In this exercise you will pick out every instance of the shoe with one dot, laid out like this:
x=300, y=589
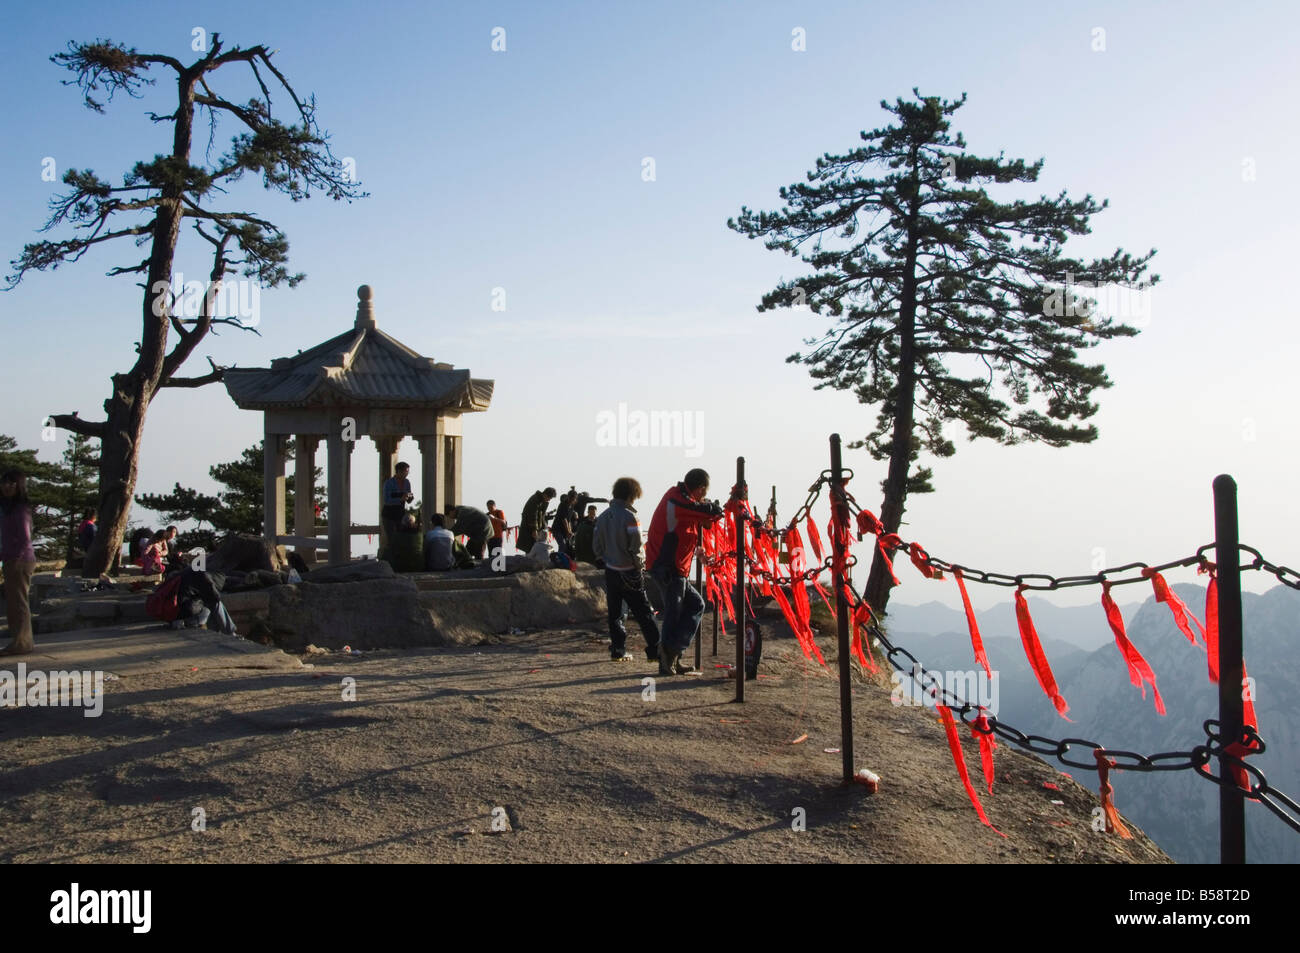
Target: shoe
x=620, y=657
x=681, y=668
x=667, y=660
x=17, y=648
x=652, y=653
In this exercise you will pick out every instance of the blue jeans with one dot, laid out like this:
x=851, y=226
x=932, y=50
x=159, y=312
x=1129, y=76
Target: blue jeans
x=683, y=610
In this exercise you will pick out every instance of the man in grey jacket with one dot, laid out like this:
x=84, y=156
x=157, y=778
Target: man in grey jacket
x=617, y=541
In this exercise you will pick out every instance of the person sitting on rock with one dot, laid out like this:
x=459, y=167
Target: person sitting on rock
x=438, y=556
x=153, y=557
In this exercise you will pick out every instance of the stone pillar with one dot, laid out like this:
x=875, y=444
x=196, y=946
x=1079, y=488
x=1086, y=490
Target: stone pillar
x=451, y=479
x=339, y=476
x=387, y=447
x=304, y=492
x=432, y=498
x=272, y=486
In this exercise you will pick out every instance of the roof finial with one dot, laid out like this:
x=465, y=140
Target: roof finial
x=365, y=311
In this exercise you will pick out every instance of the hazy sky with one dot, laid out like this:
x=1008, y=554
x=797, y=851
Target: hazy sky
x=522, y=170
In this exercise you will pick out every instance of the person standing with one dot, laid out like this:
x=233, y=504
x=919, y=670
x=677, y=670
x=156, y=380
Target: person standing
x=397, y=493
x=674, y=537
x=616, y=539
x=497, y=540
x=562, y=526
x=532, y=519
x=86, y=531
x=18, y=559
x=584, y=538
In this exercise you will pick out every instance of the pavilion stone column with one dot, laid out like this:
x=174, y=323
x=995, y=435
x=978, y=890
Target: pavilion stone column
x=451, y=454
x=387, y=447
x=272, y=486
x=432, y=493
x=304, y=492
x=339, y=481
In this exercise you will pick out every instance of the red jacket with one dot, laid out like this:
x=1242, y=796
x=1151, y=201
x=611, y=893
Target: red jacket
x=675, y=530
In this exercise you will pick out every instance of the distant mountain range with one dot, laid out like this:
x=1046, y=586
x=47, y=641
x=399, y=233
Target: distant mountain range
x=1177, y=809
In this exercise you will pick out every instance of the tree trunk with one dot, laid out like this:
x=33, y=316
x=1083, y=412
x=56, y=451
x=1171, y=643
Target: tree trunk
x=879, y=582
x=119, y=456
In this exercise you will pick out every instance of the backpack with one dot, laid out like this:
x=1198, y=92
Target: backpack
x=164, y=602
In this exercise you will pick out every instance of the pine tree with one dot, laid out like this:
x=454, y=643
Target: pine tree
x=953, y=306
x=78, y=490
x=236, y=509
x=155, y=200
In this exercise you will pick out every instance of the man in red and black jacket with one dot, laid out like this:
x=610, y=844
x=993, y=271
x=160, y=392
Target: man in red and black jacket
x=674, y=536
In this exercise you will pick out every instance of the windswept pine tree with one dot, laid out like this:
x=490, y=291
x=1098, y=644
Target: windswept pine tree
x=952, y=305
x=155, y=200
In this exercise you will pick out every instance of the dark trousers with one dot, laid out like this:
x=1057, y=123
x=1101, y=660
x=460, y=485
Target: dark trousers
x=625, y=587
x=683, y=610
x=474, y=545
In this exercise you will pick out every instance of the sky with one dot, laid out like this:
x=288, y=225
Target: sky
x=511, y=229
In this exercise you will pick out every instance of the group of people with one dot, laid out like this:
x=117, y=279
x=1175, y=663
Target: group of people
x=155, y=552
x=442, y=550
x=672, y=542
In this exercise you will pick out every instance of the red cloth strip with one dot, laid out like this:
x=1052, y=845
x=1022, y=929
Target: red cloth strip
x=1212, y=622
x=1034, y=650
x=887, y=544
x=976, y=642
x=815, y=539
x=919, y=557
x=987, y=746
x=1139, y=672
x=867, y=523
x=959, y=759
x=1113, y=823
x=1176, y=605
x=825, y=597
x=861, y=619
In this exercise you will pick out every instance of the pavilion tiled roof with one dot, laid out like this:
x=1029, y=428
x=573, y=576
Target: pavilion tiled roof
x=363, y=366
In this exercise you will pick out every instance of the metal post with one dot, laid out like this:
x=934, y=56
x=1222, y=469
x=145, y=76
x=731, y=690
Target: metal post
x=699, y=587
x=740, y=587
x=1232, y=806
x=838, y=505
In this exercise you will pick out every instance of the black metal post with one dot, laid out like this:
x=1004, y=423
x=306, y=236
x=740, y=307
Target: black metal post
x=1232, y=806
x=838, y=504
x=699, y=587
x=740, y=587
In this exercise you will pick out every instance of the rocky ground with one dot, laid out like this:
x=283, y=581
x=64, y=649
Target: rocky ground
x=534, y=749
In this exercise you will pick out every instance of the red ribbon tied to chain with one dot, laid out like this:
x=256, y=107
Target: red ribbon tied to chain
x=861, y=619
x=959, y=759
x=921, y=560
x=976, y=642
x=1113, y=823
x=984, y=735
x=815, y=539
x=1034, y=651
x=867, y=523
x=1139, y=672
x=1176, y=605
x=1211, y=620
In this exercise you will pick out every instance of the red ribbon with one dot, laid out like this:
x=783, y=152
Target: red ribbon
x=815, y=539
x=987, y=746
x=954, y=745
x=1034, y=650
x=1176, y=605
x=887, y=544
x=1113, y=823
x=867, y=523
x=1211, y=621
x=861, y=619
x=976, y=642
x=1139, y=672
x=920, y=560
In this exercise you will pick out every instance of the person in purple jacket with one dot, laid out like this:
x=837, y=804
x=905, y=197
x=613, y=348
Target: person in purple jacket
x=18, y=559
